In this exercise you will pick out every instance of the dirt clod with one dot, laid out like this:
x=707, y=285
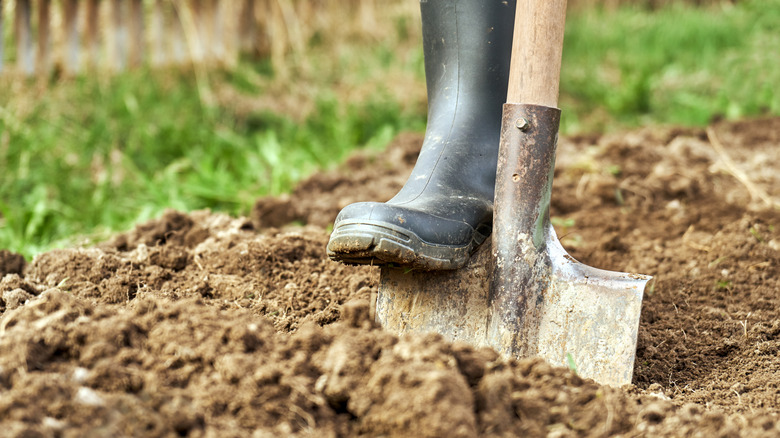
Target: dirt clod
x=11, y=263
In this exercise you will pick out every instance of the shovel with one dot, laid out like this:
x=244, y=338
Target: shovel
x=522, y=294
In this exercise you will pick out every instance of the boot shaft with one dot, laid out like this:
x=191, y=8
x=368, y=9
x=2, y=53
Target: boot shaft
x=467, y=46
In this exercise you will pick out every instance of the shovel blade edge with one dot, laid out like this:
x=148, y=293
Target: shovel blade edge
x=590, y=319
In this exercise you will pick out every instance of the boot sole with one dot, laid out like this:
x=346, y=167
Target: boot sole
x=383, y=244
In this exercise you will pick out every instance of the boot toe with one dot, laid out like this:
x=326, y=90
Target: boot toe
x=386, y=234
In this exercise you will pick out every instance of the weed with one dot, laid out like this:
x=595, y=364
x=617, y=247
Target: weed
x=619, y=199
x=614, y=170
x=572, y=240
x=570, y=363
x=755, y=234
x=651, y=288
x=716, y=262
x=564, y=223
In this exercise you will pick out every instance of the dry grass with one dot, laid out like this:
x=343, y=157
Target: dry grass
x=69, y=36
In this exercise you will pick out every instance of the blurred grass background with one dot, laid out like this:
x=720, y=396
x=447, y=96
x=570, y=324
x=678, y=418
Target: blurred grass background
x=85, y=156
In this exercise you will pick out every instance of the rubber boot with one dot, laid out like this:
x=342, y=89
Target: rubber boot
x=445, y=209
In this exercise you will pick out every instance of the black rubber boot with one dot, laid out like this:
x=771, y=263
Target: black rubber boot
x=445, y=209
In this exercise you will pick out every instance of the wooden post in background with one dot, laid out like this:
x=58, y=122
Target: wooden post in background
x=279, y=39
x=176, y=34
x=157, y=41
x=2, y=38
x=263, y=28
x=292, y=26
x=247, y=33
x=24, y=58
x=218, y=46
x=207, y=33
x=119, y=34
x=43, y=58
x=92, y=32
x=192, y=16
x=367, y=16
x=70, y=59
x=137, y=42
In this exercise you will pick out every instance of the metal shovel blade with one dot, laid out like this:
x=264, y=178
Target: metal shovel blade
x=523, y=295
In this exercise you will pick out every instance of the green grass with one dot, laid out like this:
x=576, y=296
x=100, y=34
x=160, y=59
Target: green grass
x=92, y=155
x=143, y=142
x=677, y=65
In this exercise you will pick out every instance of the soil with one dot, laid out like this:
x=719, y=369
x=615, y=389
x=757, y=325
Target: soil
x=205, y=325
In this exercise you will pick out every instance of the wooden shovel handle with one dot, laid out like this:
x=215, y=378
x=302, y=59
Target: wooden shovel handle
x=537, y=47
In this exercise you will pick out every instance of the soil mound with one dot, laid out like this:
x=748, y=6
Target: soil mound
x=204, y=325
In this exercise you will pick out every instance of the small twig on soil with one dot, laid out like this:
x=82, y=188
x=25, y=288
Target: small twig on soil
x=610, y=416
x=744, y=327
x=736, y=172
x=372, y=305
x=739, y=397
x=744, y=324
x=688, y=242
x=582, y=185
x=305, y=416
x=761, y=265
x=634, y=185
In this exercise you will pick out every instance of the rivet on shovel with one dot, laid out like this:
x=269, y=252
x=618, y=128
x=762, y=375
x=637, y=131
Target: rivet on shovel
x=522, y=124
